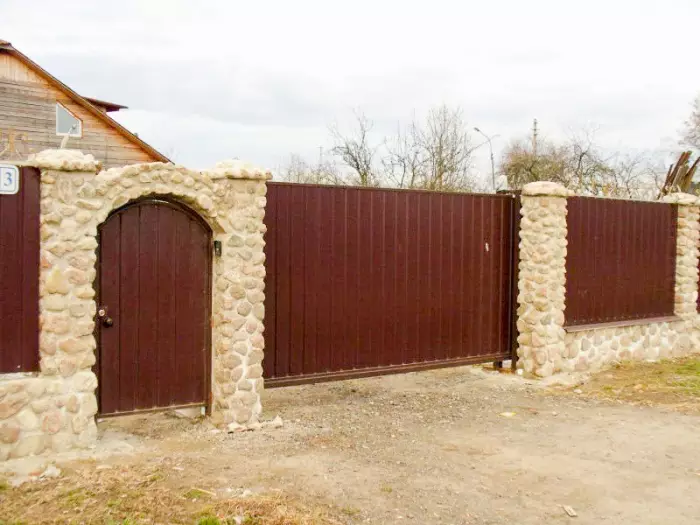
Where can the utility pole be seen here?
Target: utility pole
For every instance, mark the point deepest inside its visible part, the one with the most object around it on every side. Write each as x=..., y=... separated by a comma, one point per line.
x=534, y=137
x=493, y=165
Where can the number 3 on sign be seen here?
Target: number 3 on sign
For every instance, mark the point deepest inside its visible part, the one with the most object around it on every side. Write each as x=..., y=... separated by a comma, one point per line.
x=9, y=179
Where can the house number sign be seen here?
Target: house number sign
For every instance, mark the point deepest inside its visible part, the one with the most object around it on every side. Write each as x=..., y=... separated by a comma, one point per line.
x=9, y=179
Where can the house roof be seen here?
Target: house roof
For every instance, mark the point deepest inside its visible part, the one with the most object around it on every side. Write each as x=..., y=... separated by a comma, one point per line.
x=107, y=106
x=90, y=104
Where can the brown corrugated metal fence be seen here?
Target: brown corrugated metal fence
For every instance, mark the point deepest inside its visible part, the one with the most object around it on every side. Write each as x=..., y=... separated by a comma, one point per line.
x=621, y=260
x=19, y=276
x=361, y=281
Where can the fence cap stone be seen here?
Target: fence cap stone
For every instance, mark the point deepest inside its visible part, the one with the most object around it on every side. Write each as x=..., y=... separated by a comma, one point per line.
x=684, y=199
x=64, y=160
x=237, y=169
x=546, y=188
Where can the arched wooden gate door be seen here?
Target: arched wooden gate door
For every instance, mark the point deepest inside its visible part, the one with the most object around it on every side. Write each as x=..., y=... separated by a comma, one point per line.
x=153, y=322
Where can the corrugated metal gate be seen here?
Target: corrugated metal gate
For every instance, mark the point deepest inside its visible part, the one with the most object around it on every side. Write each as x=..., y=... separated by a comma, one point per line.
x=368, y=281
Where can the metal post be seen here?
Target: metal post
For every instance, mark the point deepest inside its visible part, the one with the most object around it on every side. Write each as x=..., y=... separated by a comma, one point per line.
x=493, y=165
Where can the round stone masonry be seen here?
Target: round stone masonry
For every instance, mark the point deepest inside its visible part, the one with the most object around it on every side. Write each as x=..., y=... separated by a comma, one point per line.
x=55, y=409
x=687, y=238
x=542, y=278
x=544, y=345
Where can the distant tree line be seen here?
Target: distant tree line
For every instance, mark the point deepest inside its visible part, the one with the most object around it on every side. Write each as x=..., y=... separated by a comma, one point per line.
x=436, y=153
x=582, y=166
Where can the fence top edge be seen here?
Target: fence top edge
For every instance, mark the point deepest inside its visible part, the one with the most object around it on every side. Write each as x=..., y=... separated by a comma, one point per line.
x=619, y=199
x=392, y=190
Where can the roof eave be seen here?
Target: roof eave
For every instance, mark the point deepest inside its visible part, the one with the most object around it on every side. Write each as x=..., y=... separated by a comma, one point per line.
x=109, y=107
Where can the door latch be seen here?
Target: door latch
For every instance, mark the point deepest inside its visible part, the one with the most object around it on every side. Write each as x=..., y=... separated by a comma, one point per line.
x=106, y=320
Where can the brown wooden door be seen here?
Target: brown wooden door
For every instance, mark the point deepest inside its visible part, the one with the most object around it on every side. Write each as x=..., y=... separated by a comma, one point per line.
x=154, y=282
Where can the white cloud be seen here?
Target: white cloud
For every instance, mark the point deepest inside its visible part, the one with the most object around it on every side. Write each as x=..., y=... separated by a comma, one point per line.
x=264, y=79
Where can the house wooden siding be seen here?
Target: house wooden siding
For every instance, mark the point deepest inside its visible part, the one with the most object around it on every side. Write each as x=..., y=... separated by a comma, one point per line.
x=28, y=107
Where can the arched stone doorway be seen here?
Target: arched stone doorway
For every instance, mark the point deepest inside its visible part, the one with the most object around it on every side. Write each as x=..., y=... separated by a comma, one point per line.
x=153, y=326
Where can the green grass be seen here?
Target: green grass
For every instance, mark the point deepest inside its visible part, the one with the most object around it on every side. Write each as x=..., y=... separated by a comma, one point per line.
x=209, y=520
x=196, y=494
x=350, y=511
x=668, y=382
x=75, y=497
x=681, y=376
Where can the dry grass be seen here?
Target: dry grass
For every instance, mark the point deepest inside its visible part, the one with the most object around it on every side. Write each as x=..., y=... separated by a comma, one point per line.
x=674, y=383
x=130, y=497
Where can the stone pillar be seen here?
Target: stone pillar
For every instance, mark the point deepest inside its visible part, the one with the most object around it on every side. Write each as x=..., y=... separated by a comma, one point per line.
x=686, y=289
x=542, y=278
x=66, y=301
x=66, y=294
x=687, y=235
x=239, y=306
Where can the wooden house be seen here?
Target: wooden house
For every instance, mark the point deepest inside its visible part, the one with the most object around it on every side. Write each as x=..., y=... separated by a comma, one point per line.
x=38, y=111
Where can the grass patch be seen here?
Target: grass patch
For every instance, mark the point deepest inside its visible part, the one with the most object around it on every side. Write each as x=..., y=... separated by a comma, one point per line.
x=670, y=382
x=197, y=494
x=74, y=498
x=209, y=520
x=351, y=511
x=130, y=496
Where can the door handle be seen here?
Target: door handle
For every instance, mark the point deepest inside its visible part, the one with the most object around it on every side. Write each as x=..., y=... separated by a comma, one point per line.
x=106, y=320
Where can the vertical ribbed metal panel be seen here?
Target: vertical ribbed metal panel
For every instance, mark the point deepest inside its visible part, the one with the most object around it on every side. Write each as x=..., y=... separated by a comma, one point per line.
x=19, y=276
x=362, y=278
x=621, y=260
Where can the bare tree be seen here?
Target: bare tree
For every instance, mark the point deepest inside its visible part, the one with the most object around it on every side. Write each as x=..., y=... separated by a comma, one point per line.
x=434, y=155
x=403, y=163
x=521, y=165
x=691, y=132
x=637, y=176
x=579, y=164
x=356, y=151
x=588, y=171
x=299, y=171
x=444, y=141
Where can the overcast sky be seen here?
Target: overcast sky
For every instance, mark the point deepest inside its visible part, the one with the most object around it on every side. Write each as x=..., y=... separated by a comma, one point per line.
x=208, y=80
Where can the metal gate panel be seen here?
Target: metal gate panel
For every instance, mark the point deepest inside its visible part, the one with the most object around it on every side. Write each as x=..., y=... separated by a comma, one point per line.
x=364, y=281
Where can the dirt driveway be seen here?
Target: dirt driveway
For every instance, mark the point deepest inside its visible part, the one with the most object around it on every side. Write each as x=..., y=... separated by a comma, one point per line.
x=453, y=446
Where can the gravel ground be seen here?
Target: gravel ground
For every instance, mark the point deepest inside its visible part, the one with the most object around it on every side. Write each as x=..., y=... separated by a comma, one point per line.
x=453, y=446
